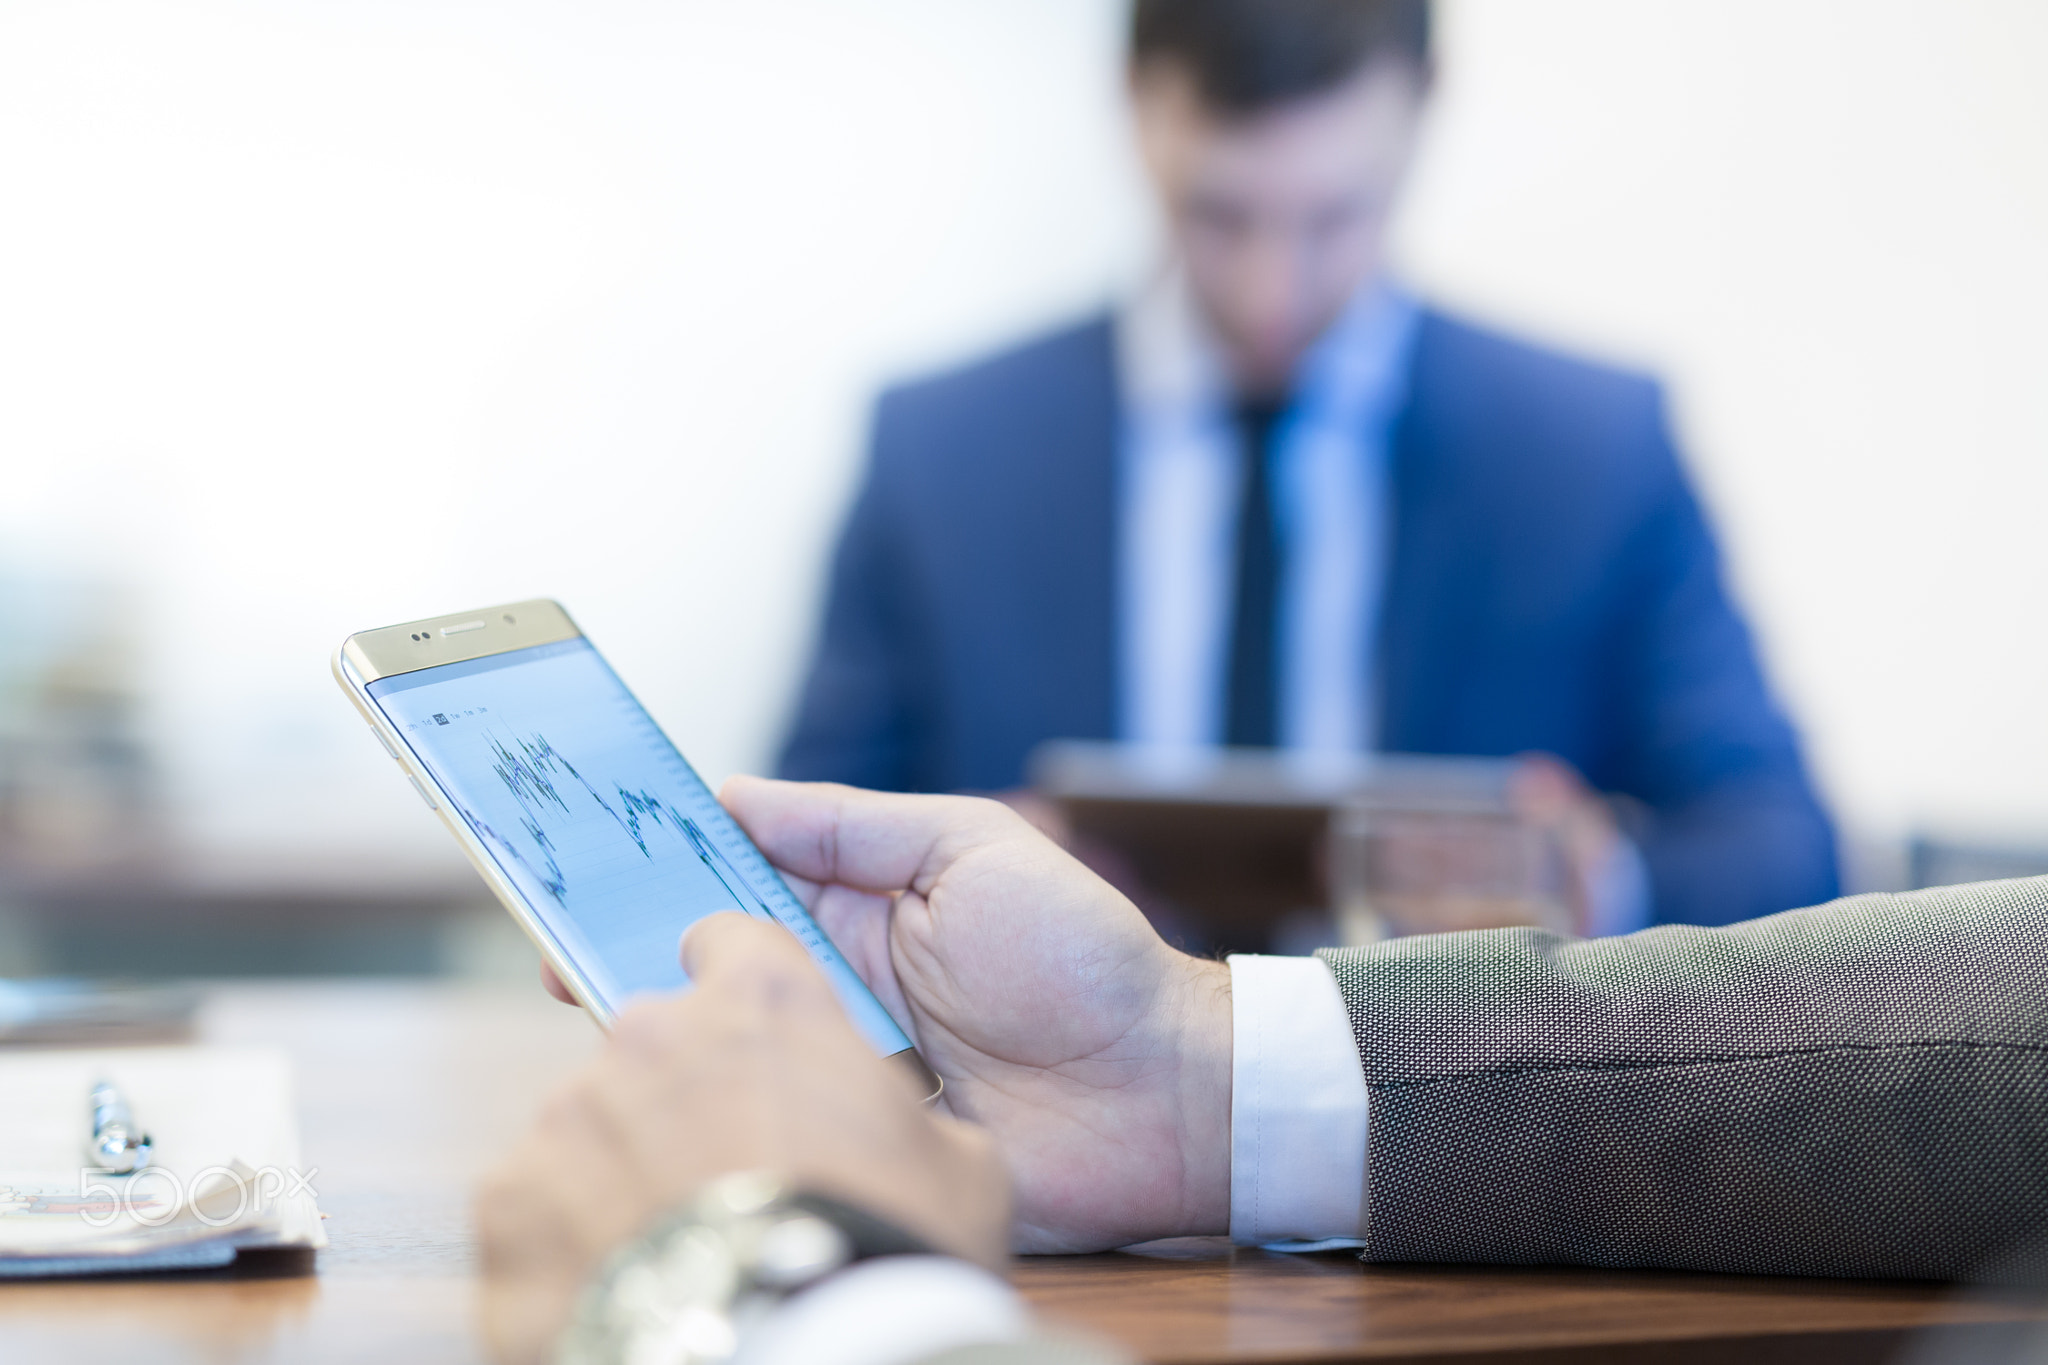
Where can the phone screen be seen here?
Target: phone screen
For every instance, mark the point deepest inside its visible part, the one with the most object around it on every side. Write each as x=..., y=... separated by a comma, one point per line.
x=611, y=838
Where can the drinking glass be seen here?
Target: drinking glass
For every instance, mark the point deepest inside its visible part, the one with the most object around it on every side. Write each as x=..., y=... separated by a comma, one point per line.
x=1420, y=866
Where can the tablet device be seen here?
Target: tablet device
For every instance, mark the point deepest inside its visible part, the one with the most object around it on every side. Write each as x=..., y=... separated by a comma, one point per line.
x=1229, y=850
x=573, y=805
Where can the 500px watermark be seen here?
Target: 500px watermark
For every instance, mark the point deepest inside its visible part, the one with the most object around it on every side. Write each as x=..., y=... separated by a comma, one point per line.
x=215, y=1196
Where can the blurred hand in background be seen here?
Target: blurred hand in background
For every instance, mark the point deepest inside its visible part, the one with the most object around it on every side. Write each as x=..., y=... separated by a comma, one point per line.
x=1549, y=793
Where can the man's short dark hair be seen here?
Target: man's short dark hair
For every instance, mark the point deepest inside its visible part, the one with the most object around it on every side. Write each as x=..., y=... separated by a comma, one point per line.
x=1249, y=55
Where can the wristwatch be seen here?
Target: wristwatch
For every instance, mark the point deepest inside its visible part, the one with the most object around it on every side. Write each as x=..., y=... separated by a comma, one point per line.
x=685, y=1292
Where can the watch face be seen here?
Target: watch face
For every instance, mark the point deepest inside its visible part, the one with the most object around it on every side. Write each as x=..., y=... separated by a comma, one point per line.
x=686, y=1290
x=798, y=1248
x=867, y=1236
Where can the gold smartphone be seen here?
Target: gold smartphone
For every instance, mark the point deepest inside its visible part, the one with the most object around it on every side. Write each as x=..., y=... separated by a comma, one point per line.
x=574, y=807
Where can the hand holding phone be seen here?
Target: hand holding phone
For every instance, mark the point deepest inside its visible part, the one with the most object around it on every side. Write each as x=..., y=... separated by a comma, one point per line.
x=572, y=804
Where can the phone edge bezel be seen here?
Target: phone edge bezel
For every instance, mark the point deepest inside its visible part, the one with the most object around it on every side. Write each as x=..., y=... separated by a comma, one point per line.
x=479, y=857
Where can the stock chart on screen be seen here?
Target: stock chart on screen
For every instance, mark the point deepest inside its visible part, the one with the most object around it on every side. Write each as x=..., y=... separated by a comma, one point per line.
x=612, y=840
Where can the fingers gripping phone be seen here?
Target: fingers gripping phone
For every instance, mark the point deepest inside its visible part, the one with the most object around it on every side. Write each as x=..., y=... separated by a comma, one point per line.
x=577, y=810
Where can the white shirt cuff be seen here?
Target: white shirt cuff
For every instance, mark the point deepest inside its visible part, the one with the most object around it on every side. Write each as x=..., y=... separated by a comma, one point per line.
x=1297, y=1107
x=889, y=1311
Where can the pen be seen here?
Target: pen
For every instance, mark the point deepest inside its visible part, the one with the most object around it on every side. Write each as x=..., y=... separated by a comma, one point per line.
x=117, y=1145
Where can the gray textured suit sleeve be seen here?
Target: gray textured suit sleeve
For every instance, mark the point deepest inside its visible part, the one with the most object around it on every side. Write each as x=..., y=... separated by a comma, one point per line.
x=1855, y=1089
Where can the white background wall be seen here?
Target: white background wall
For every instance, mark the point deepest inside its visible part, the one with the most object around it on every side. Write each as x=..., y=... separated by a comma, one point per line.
x=321, y=314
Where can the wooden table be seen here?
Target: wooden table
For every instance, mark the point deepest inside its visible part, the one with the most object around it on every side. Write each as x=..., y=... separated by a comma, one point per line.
x=406, y=1089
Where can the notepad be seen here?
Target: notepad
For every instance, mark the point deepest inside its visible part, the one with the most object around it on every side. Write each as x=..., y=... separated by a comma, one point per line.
x=225, y=1176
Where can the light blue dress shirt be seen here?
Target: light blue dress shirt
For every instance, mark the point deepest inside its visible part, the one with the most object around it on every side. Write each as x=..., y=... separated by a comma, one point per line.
x=1179, y=491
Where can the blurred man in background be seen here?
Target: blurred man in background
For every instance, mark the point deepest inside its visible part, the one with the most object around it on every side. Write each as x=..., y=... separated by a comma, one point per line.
x=1275, y=500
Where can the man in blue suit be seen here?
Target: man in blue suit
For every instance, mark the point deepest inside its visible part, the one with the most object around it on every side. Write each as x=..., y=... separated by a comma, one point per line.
x=1276, y=500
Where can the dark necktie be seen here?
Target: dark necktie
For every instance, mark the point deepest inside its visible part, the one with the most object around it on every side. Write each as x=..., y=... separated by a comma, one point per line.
x=1251, y=707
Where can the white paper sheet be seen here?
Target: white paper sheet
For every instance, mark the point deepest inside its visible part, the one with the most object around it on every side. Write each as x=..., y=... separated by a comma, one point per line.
x=225, y=1172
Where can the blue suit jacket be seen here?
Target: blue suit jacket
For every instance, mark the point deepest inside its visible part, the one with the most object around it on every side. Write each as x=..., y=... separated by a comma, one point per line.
x=1553, y=586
